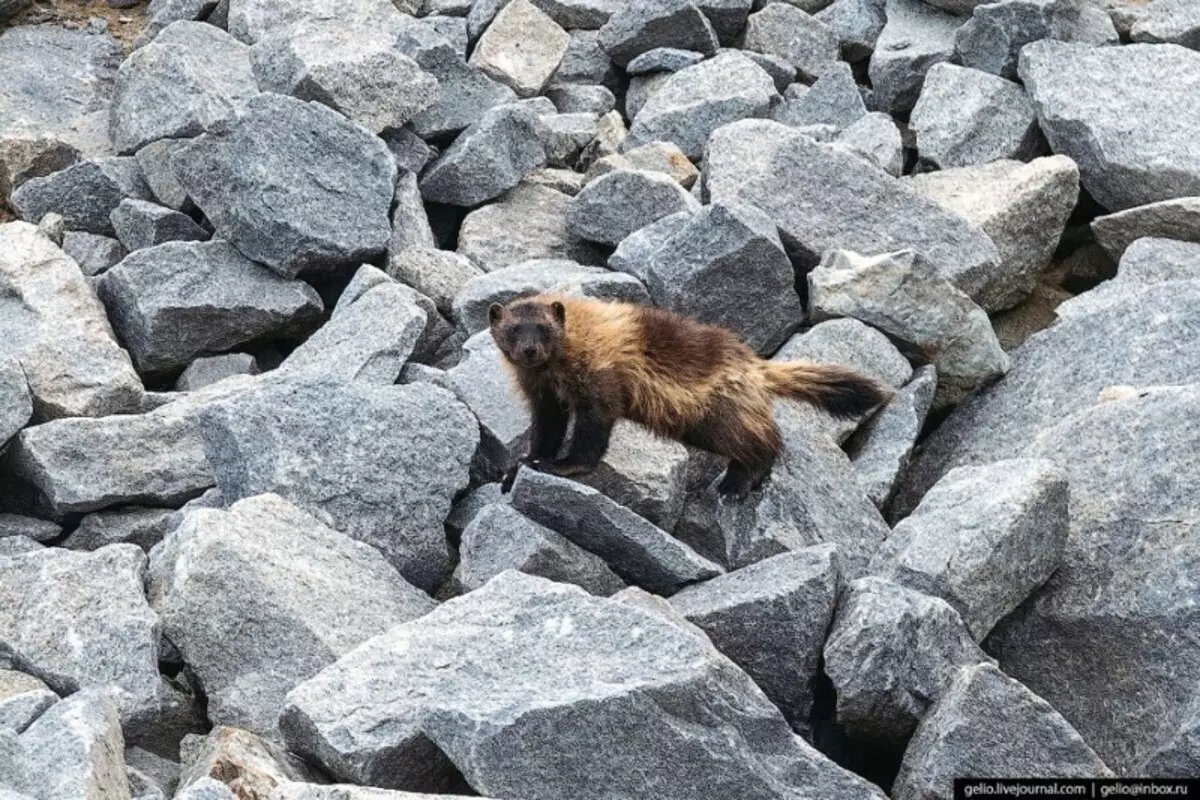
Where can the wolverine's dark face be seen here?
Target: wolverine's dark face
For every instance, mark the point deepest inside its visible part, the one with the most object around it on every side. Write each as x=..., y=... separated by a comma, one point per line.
x=528, y=332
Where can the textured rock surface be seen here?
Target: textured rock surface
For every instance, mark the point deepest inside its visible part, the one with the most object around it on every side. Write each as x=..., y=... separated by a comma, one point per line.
x=1170, y=21
x=238, y=761
x=23, y=698
x=522, y=48
x=488, y=159
x=916, y=37
x=644, y=473
x=209, y=370
x=527, y=223
x=783, y=30
x=610, y=208
x=992, y=39
x=883, y=448
x=1169, y=219
x=16, y=403
x=84, y=194
x=139, y=224
x=640, y=27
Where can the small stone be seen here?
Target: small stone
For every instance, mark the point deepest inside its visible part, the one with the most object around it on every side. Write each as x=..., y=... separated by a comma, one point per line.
x=833, y=100
x=663, y=59
x=155, y=162
x=986, y=723
x=39, y=530
x=661, y=157
x=140, y=224
x=1169, y=21
x=641, y=89
x=573, y=98
x=411, y=152
x=144, y=527
x=948, y=325
x=522, y=48
x=530, y=222
x=639, y=552
x=586, y=62
x=782, y=73
x=208, y=370
x=857, y=24
x=1177, y=219
x=994, y=35
x=243, y=762
x=891, y=653
x=23, y=698
x=882, y=448
x=641, y=27
x=488, y=159
x=94, y=254
x=876, y=138
x=784, y=30
x=84, y=194
x=916, y=37
x=178, y=301
x=499, y=538
x=439, y=274
x=619, y=203
x=566, y=137
x=771, y=619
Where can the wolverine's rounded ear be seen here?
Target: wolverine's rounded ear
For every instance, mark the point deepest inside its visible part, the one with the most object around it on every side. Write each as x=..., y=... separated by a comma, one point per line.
x=559, y=311
x=495, y=313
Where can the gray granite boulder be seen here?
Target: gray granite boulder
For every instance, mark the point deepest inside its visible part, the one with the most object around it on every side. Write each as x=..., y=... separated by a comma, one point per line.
x=529, y=222
x=16, y=403
x=293, y=185
x=1132, y=144
x=637, y=28
x=663, y=157
x=851, y=343
x=663, y=59
x=208, y=370
x=140, y=224
x=833, y=100
x=612, y=207
x=191, y=78
x=487, y=159
x=992, y=39
x=438, y=274
x=500, y=538
x=84, y=194
x=38, y=530
x=173, y=303
x=645, y=697
x=692, y=103
x=586, y=62
x=482, y=383
x=986, y=723
x=1168, y=21
x=53, y=325
x=783, y=30
x=155, y=162
x=876, y=138
x=580, y=14
x=251, y=20
x=93, y=253
x=521, y=48
x=263, y=595
x=881, y=450
x=1168, y=219
x=144, y=527
x=573, y=97
x=1147, y=262
x=643, y=472
x=916, y=37
x=771, y=619
x=23, y=698
x=857, y=24
x=242, y=762
x=891, y=653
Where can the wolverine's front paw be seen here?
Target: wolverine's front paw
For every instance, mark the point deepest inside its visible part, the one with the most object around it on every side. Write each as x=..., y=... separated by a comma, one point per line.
x=563, y=469
x=510, y=476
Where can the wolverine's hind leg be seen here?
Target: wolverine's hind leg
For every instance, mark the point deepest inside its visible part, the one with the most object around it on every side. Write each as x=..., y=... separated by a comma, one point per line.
x=747, y=436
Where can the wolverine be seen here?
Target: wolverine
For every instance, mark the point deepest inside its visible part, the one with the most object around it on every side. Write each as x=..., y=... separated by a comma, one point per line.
x=601, y=361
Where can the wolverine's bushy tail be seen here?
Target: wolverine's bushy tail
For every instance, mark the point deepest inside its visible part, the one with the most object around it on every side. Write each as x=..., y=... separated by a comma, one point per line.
x=839, y=390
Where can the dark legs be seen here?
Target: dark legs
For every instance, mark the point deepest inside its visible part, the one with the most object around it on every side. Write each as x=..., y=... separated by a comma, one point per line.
x=741, y=479
x=593, y=429
x=595, y=416
x=747, y=437
x=548, y=428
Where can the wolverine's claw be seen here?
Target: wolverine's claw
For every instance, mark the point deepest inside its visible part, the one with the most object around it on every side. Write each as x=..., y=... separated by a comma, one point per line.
x=510, y=476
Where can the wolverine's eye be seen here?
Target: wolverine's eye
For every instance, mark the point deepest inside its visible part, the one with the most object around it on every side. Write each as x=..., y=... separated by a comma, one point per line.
x=543, y=331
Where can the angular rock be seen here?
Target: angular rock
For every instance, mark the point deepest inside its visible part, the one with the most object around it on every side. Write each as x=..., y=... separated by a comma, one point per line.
x=611, y=135
x=84, y=194
x=144, y=527
x=782, y=73
x=94, y=254
x=771, y=619
x=663, y=59
x=619, y=203
x=694, y=102
x=782, y=172
x=356, y=452
x=1170, y=22
x=154, y=160
x=566, y=136
x=570, y=97
x=891, y=653
x=1180, y=756
x=586, y=62
x=1147, y=262
x=522, y=48
x=162, y=13
x=661, y=157
x=95, y=601
x=485, y=386
x=39, y=530
x=644, y=473
x=54, y=100
x=882, y=449
x=243, y=762
x=488, y=159
x=833, y=100
x=876, y=138
x=647, y=696
x=263, y=596
x=1023, y=208
x=439, y=274
x=293, y=185
x=641, y=27
x=211, y=369
x=935, y=317
x=638, y=551
x=23, y=698
x=783, y=30
x=53, y=325
x=988, y=724
x=849, y=342
x=542, y=275
x=190, y=79
x=173, y=303
x=857, y=24
x=916, y=37
x=1168, y=219
x=251, y=20
x=140, y=224
x=724, y=266
x=965, y=117
x=983, y=539
x=530, y=222
x=993, y=37
x=500, y=538
x=1108, y=623
x=206, y=789
x=16, y=403
x=411, y=152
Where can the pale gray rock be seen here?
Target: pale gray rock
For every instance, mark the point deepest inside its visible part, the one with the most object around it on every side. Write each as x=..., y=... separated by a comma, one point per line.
x=1169, y=21
x=438, y=274
x=173, y=303
x=251, y=20
x=643, y=472
x=154, y=160
x=53, y=325
x=482, y=383
x=986, y=723
x=18, y=545
x=162, y=13
x=39, y=530
x=262, y=596
x=521, y=48
x=663, y=59
x=1023, y=209
x=308, y=791
x=645, y=697
x=243, y=762
x=84, y=194
x=641, y=88
x=23, y=698
x=574, y=97
x=140, y=224
x=692, y=103
x=1147, y=262
x=876, y=138
x=881, y=450
x=190, y=79
x=500, y=538
x=782, y=73
x=488, y=159
x=783, y=30
x=916, y=37
x=411, y=152
x=850, y=343
x=904, y=296
x=891, y=653
x=566, y=136
x=206, y=789
x=530, y=222
x=823, y=197
x=144, y=527
x=857, y=24
x=833, y=100
x=663, y=157
x=94, y=254
x=965, y=117
x=356, y=452
x=639, y=552
x=724, y=266
x=96, y=602
x=293, y=185
x=16, y=403
x=638, y=28
x=410, y=221
x=469, y=506
x=615, y=205
x=541, y=275
x=208, y=370
x=771, y=619
x=1168, y=219
x=993, y=37
x=587, y=63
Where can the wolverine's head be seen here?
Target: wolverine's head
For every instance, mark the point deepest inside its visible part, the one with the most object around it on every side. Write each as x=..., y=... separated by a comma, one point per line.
x=528, y=331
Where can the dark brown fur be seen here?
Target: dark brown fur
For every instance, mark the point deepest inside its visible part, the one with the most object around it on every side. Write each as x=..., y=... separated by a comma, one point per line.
x=699, y=384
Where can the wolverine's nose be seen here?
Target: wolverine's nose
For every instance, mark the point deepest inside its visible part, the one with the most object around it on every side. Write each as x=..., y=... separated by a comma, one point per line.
x=529, y=351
